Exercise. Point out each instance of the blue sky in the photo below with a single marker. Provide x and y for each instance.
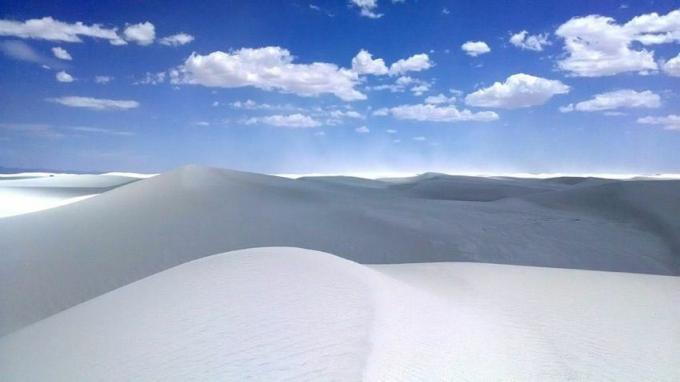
(342, 86)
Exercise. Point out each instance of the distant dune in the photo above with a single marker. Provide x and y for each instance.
(292, 314)
(57, 258)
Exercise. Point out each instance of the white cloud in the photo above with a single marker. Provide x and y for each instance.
(526, 41)
(19, 50)
(367, 8)
(95, 103)
(669, 122)
(625, 98)
(292, 121)
(62, 76)
(269, 68)
(672, 66)
(416, 86)
(518, 90)
(363, 63)
(381, 112)
(152, 79)
(391, 131)
(475, 48)
(177, 39)
(48, 28)
(362, 130)
(202, 123)
(420, 139)
(439, 99)
(415, 63)
(598, 46)
(433, 113)
(99, 130)
(142, 33)
(61, 53)
(103, 79)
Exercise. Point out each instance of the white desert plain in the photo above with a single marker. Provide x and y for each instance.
(211, 274)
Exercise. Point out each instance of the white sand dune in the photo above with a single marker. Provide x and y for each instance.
(293, 314)
(25, 194)
(57, 258)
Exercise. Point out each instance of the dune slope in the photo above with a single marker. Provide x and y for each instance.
(60, 257)
(286, 313)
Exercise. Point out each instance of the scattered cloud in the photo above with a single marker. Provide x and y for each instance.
(415, 63)
(152, 79)
(518, 90)
(35, 130)
(597, 46)
(416, 86)
(391, 131)
(62, 76)
(367, 8)
(269, 68)
(293, 121)
(440, 99)
(672, 66)
(363, 63)
(176, 39)
(61, 53)
(21, 51)
(618, 99)
(362, 130)
(98, 130)
(434, 113)
(382, 112)
(669, 122)
(420, 138)
(50, 29)
(475, 48)
(524, 40)
(445, 11)
(142, 33)
(95, 103)
(103, 79)
(201, 123)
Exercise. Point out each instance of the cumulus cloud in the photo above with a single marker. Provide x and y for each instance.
(598, 46)
(434, 113)
(618, 99)
(50, 29)
(292, 121)
(475, 48)
(95, 103)
(177, 39)
(669, 122)
(524, 40)
(367, 8)
(672, 66)
(61, 53)
(103, 79)
(62, 76)
(416, 86)
(142, 33)
(269, 68)
(362, 130)
(363, 63)
(415, 63)
(420, 138)
(518, 90)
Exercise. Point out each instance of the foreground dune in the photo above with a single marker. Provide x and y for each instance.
(286, 313)
(57, 258)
